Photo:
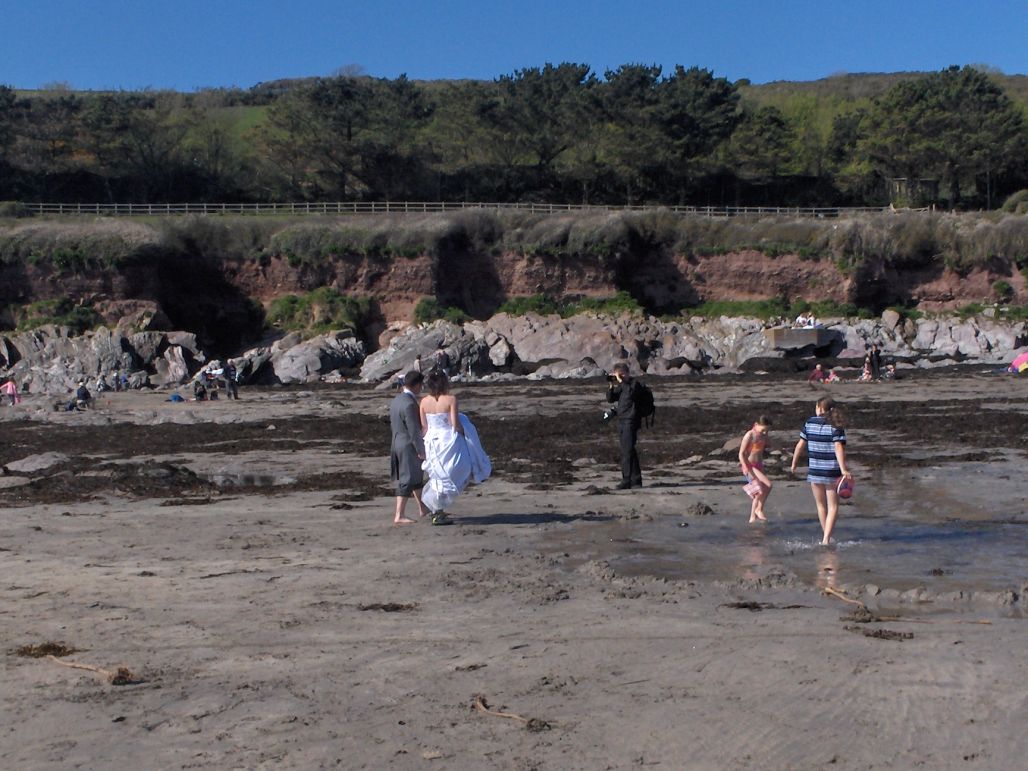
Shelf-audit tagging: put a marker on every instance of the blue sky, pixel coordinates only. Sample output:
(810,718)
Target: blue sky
(188,44)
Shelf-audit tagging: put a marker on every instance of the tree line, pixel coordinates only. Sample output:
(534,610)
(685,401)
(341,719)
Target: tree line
(557,133)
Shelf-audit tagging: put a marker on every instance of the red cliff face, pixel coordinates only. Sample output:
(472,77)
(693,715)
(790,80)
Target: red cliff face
(214,298)
(478,283)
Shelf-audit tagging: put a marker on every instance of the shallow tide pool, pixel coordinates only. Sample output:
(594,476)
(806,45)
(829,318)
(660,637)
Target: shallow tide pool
(947,528)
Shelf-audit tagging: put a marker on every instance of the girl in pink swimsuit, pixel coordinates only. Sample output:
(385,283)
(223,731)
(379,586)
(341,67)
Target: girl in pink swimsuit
(751,460)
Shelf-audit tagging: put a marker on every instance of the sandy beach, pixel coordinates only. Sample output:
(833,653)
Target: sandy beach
(238,559)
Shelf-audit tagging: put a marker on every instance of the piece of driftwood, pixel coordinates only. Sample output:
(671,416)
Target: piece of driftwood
(841,596)
(531,723)
(120,676)
(867,615)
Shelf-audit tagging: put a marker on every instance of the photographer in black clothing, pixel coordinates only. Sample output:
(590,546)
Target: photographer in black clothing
(621,389)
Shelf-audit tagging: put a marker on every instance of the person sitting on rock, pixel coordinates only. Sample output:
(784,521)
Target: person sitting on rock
(83,399)
(199,391)
(209,377)
(818,375)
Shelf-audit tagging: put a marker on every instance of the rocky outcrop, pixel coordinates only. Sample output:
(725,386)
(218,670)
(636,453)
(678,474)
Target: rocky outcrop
(311,359)
(533,346)
(465,351)
(292,359)
(585,346)
(171,368)
(50,360)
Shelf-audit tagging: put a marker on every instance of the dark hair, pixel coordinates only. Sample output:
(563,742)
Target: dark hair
(437,382)
(412,379)
(621,367)
(763,420)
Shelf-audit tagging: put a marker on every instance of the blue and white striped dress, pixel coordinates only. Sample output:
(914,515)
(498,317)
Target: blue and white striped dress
(821,436)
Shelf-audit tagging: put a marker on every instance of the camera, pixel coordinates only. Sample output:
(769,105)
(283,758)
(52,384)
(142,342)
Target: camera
(611,379)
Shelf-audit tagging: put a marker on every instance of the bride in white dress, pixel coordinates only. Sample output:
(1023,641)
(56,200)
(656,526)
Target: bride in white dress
(453,452)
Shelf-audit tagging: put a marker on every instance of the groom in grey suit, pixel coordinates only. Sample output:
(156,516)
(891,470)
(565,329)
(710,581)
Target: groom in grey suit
(408,448)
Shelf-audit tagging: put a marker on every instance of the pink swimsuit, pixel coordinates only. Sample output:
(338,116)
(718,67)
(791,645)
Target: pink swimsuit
(756,448)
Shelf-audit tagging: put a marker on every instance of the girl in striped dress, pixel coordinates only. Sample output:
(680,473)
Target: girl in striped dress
(824,439)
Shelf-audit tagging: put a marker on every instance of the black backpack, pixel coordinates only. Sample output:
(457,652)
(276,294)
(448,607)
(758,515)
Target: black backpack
(644,405)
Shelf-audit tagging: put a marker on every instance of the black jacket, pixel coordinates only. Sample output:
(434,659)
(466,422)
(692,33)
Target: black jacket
(624,395)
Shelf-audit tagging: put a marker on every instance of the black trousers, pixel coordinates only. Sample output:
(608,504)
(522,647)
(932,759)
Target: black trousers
(628,434)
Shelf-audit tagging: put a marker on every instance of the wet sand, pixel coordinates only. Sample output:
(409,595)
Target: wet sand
(238,559)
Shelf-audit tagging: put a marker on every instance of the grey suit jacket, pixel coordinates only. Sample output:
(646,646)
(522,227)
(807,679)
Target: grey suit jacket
(405,422)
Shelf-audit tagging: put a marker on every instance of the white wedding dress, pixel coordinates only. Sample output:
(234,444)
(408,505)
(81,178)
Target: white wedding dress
(451,460)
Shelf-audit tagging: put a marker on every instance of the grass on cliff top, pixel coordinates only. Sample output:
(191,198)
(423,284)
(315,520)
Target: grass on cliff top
(901,240)
(73,247)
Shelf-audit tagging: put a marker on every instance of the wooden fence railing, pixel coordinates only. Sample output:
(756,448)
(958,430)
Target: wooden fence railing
(416,207)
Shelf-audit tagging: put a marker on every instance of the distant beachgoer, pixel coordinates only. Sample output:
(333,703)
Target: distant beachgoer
(824,439)
(442,360)
(231,376)
(751,460)
(818,375)
(82,399)
(199,391)
(865,375)
(876,362)
(832,377)
(417,363)
(10,388)
(210,378)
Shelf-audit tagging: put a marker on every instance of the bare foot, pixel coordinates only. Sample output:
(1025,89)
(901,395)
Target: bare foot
(403,521)
(762,518)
